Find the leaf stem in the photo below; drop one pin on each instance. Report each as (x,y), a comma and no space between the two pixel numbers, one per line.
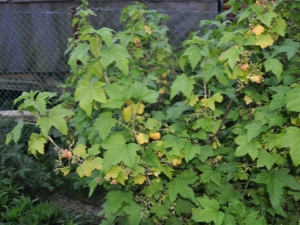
(106,77)
(53,142)
(245,189)
(226,112)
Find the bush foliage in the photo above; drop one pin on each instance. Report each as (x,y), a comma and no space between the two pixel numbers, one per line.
(207,134)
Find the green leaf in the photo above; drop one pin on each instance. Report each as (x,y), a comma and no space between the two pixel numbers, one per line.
(160,210)
(92,185)
(117,54)
(265,159)
(96,45)
(280,26)
(15,134)
(94,150)
(254,129)
(36,143)
(209,174)
(134,211)
(116,200)
(41,100)
(144,94)
(180,185)
(106,34)
(275,180)
(194,55)
(118,151)
(293,99)
(292,140)
(56,119)
(104,123)
(277,102)
(80,52)
(227,194)
(246,147)
(288,46)
(152,124)
(209,213)
(232,55)
(275,66)
(229,168)
(266,18)
(87,92)
(118,95)
(191,151)
(184,84)
(184,206)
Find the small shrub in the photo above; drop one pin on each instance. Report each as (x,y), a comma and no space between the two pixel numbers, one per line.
(209,137)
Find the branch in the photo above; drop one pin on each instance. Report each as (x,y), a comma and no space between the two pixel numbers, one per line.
(226,112)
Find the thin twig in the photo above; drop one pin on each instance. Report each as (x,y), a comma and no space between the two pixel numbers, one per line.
(226,112)
(51,140)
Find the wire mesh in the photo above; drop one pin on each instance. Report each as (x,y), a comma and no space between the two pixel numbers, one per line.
(32,45)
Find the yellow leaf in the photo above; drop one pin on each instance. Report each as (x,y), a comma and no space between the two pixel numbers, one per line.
(65,170)
(176,162)
(131,110)
(148,30)
(248,100)
(136,40)
(164,75)
(161,91)
(122,176)
(256,79)
(264,40)
(113,172)
(84,169)
(142,138)
(79,150)
(259,29)
(155,136)
(140,179)
(193,100)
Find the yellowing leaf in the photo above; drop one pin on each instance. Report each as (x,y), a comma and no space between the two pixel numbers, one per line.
(164,75)
(140,179)
(79,150)
(148,30)
(142,138)
(65,170)
(84,169)
(122,176)
(155,136)
(36,143)
(131,110)
(259,29)
(176,162)
(264,40)
(96,163)
(248,100)
(113,172)
(193,100)
(137,40)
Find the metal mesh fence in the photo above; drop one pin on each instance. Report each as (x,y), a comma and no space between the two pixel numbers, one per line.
(32,45)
